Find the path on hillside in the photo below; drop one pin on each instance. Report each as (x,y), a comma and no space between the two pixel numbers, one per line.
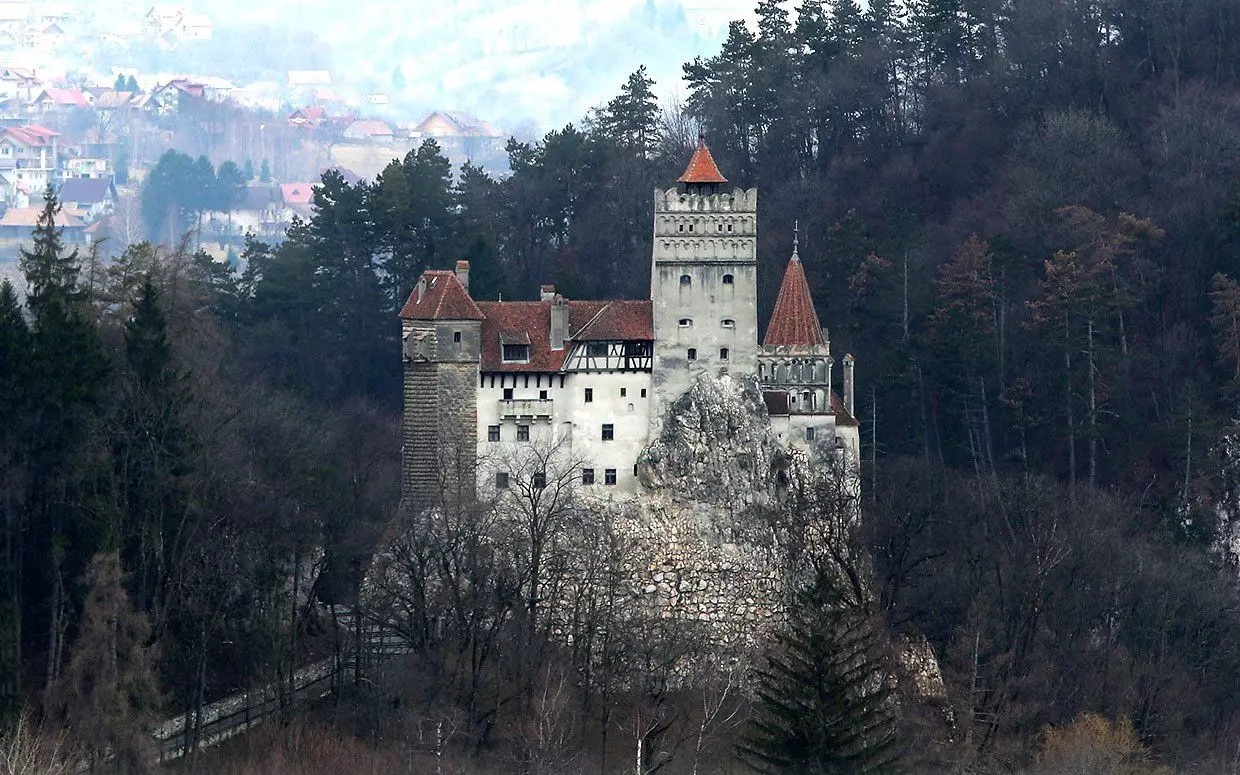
(231,716)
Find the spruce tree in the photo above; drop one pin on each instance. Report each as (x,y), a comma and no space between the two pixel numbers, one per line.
(824,704)
(14,346)
(65,382)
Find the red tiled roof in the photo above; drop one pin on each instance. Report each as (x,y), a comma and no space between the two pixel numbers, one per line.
(794,323)
(627,321)
(702,168)
(776,401)
(297,193)
(842,417)
(443,299)
(65,97)
(30,134)
(28,217)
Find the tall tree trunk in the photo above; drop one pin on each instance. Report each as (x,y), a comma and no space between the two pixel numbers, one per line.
(1071,417)
(1093,407)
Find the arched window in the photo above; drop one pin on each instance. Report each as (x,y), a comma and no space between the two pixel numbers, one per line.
(686,279)
(686,322)
(728,323)
(727,279)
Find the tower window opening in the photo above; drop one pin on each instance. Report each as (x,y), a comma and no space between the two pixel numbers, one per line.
(609,476)
(686,279)
(728,323)
(624,392)
(686,323)
(492,433)
(609,432)
(729,227)
(507,394)
(690,228)
(587,476)
(523,433)
(692,355)
(456,336)
(682,227)
(540,480)
(542,395)
(723,353)
(589,395)
(721,227)
(727,279)
(809,434)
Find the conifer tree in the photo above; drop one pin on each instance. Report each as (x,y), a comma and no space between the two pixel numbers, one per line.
(14,344)
(824,704)
(65,384)
(631,118)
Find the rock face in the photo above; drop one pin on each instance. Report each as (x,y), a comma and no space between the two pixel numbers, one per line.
(704,546)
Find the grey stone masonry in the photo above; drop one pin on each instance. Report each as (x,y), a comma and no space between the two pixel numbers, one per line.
(703,289)
(439,433)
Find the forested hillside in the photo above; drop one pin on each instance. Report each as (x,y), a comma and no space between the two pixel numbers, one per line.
(1022,218)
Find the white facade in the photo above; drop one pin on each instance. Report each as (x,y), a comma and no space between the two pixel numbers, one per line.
(573,410)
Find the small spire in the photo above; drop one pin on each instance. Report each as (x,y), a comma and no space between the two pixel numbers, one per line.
(796,229)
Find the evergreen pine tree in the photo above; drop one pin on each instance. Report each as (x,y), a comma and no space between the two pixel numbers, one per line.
(65,385)
(264,172)
(824,705)
(631,119)
(14,344)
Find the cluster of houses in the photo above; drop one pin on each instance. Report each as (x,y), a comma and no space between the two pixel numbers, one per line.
(91,135)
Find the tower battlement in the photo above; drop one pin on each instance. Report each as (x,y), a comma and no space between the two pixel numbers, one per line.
(676,201)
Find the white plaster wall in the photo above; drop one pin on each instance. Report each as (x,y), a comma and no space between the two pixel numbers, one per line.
(629,414)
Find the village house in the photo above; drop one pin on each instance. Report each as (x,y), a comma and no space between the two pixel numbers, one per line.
(19,83)
(370,132)
(91,198)
(29,161)
(460,133)
(18,223)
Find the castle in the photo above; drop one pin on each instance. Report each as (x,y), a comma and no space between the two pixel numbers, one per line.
(599,377)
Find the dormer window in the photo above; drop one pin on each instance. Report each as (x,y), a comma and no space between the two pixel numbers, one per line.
(686,323)
(514,347)
(596,349)
(516,353)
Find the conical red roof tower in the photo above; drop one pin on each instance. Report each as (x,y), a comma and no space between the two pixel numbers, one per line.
(702,167)
(794,323)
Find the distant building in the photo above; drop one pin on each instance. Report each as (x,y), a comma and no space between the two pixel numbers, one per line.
(29,161)
(370,131)
(17,226)
(300,79)
(19,83)
(460,132)
(93,198)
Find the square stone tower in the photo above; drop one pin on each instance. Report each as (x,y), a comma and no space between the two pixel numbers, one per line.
(703,282)
(441,328)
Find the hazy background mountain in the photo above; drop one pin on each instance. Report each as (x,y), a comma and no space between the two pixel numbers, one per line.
(527,65)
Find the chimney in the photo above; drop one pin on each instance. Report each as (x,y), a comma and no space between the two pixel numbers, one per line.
(462,273)
(420,289)
(848,384)
(547,293)
(830,364)
(559,322)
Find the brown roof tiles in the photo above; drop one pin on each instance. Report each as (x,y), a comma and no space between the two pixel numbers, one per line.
(441,298)
(794,322)
(702,168)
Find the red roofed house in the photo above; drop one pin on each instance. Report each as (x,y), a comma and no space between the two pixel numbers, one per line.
(486,379)
(29,161)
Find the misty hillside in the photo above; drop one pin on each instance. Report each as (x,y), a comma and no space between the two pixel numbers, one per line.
(528,64)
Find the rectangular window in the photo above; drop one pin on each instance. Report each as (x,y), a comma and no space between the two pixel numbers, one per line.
(589,395)
(809,434)
(723,353)
(501,480)
(507,394)
(587,476)
(540,480)
(542,395)
(523,433)
(516,353)
(456,336)
(609,476)
(692,354)
(643,392)
(634,470)
(596,349)
(624,392)
(609,431)
(492,433)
